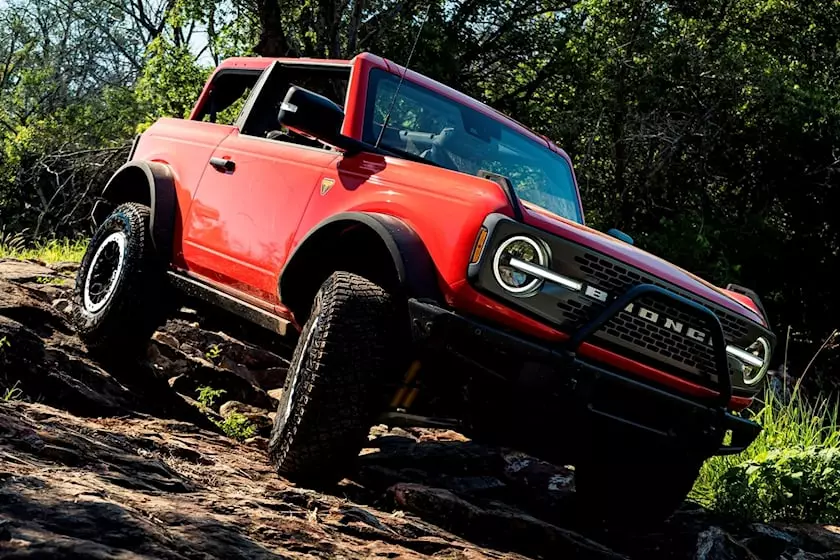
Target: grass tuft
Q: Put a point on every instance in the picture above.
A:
(13, 393)
(50, 251)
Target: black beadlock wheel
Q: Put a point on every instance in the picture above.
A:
(118, 300)
(342, 356)
(634, 488)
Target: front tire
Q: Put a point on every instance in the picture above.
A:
(343, 354)
(119, 293)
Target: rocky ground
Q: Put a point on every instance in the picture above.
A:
(127, 464)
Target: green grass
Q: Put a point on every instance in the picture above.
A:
(51, 251)
(13, 393)
(791, 472)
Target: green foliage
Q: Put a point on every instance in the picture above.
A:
(213, 353)
(791, 472)
(207, 396)
(50, 251)
(789, 484)
(235, 425)
(170, 82)
(238, 427)
(13, 393)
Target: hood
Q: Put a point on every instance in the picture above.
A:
(633, 256)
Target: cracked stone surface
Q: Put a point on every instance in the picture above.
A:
(126, 464)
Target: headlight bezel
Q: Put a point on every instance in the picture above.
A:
(543, 259)
(751, 381)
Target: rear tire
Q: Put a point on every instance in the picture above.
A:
(344, 351)
(632, 487)
(118, 300)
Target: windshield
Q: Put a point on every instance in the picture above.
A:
(456, 137)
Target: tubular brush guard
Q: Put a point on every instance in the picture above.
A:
(595, 390)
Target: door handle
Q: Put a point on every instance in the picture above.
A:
(222, 164)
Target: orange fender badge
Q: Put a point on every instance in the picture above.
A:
(326, 185)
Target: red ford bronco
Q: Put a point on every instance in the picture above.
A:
(430, 255)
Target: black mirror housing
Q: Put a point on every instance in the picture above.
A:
(620, 235)
(309, 113)
(312, 114)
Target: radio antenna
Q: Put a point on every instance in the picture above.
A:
(402, 77)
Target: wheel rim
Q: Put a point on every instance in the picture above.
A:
(105, 269)
(295, 368)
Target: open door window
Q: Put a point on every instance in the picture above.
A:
(227, 95)
(260, 115)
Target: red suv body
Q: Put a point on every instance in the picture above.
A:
(471, 223)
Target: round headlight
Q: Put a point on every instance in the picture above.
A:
(523, 249)
(761, 350)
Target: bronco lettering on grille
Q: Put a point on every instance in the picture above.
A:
(652, 316)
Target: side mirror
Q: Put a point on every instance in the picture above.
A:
(309, 113)
(620, 235)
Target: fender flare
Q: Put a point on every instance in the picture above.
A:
(149, 183)
(412, 263)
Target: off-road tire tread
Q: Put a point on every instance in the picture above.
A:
(137, 306)
(333, 402)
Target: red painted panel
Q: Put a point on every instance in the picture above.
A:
(186, 146)
(241, 224)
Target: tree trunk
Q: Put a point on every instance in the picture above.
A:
(273, 40)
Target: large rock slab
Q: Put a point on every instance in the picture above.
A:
(24, 271)
(124, 463)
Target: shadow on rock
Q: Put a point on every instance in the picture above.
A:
(510, 501)
(60, 377)
(494, 497)
(91, 526)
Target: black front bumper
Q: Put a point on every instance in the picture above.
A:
(596, 393)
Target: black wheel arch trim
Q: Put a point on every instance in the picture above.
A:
(143, 181)
(412, 262)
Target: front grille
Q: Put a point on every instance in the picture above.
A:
(619, 279)
(665, 342)
(628, 334)
(646, 341)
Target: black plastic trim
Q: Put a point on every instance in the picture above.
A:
(699, 425)
(196, 288)
(146, 182)
(414, 266)
(752, 295)
(507, 188)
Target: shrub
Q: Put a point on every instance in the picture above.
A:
(791, 471)
(792, 484)
(207, 395)
(237, 426)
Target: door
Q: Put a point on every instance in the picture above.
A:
(256, 187)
